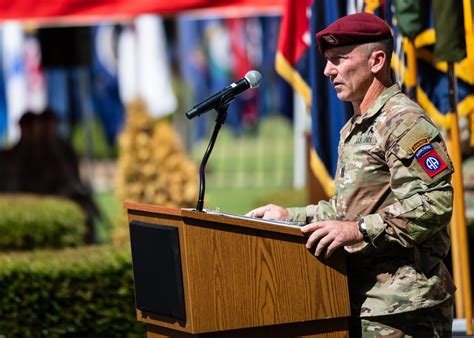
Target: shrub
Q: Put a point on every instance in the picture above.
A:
(30, 222)
(81, 292)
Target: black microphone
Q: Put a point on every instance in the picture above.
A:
(251, 80)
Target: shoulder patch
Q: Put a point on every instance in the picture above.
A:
(430, 160)
(417, 135)
(418, 144)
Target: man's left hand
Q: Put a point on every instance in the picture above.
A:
(330, 235)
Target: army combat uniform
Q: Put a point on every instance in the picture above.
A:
(394, 172)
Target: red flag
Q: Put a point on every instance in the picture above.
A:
(293, 46)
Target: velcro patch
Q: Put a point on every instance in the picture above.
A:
(430, 160)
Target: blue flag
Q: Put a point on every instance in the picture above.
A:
(105, 93)
(328, 113)
(3, 102)
(193, 66)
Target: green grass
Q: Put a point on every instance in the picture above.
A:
(245, 171)
(242, 172)
(240, 200)
(110, 208)
(258, 159)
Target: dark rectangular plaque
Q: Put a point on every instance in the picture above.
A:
(157, 269)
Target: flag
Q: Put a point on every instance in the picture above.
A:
(328, 113)
(34, 75)
(301, 64)
(144, 67)
(66, 58)
(216, 44)
(213, 52)
(246, 49)
(14, 75)
(293, 48)
(271, 81)
(194, 67)
(3, 100)
(105, 93)
(127, 64)
(437, 41)
(154, 71)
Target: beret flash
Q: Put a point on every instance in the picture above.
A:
(353, 29)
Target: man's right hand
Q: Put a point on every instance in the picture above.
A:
(269, 211)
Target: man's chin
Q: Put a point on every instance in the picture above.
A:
(341, 96)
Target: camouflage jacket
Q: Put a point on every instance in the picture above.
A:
(394, 172)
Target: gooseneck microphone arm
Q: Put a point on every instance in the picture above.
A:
(220, 102)
(220, 120)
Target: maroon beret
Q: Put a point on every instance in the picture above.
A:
(353, 29)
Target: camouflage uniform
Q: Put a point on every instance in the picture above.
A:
(394, 172)
(424, 323)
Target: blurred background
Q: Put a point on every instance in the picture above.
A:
(119, 91)
(92, 113)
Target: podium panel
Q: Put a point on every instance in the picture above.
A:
(240, 277)
(157, 269)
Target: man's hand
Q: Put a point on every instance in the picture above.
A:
(330, 235)
(269, 211)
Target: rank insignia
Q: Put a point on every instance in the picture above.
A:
(429, 160)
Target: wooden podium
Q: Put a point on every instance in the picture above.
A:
(205, 274)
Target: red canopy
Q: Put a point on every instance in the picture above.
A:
(109, 9)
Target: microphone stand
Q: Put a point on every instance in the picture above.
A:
(220, 120)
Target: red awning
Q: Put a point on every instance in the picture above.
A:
(113, 9)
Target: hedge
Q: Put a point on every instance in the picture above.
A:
(81, 292)
(30, 222)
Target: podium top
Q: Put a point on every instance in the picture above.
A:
(290, 228)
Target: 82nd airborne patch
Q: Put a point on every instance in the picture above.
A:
(430, 160)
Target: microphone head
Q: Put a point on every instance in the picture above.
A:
(254, 78)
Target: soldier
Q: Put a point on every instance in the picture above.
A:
(393, 197)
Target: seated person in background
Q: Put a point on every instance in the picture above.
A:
(60, 170)
(23, 159)
(42, 162)
(60, 162)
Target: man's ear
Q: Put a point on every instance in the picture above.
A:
(377, 61)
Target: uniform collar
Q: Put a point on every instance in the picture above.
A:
(373, 110)
(379, 103)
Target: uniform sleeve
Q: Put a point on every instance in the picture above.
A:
(420, 174)
(324, 210)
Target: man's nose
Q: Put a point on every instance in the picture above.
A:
(329, 69)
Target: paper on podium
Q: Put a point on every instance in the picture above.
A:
(243, 217)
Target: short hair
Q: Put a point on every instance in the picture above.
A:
(386, 45)
(27, 119)
(48, 115)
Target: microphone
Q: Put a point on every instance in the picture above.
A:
(251, 80)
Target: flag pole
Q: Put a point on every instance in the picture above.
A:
(410, 79)
(458, 227)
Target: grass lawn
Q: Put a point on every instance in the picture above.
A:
(243, 172)
(241, 200)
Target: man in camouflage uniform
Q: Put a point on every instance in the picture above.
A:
(393, 198)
